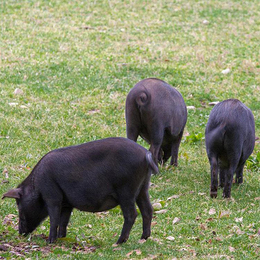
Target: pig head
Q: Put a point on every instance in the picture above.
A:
(157, 112)
(230, 139)
(94, 177)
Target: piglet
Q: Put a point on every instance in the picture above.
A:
(157, 112)
(93, 177)
(230, 139)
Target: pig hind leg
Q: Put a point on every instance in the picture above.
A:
(228, 182)
(146, 210)
(222, 177)
(167, 149)
(175, 149)
(64, 220)
(129, 212)
(156, 142)
(239, 173)
(214, 177)
(233, 158)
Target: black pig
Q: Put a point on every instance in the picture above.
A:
(230, 139)
(157, 112)
(94, 177)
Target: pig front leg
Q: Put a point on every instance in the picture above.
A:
(54, 214)
(64, 220)
(130, 214)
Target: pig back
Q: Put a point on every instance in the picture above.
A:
(231, 123)
(157, 100)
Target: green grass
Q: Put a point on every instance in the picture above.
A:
(75, 62)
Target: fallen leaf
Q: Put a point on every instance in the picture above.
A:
(142, 241)
(171, 238)
(138, 252)
(213, 103)
(156, 240)
(224, 214)
(161, 211)
(176, 220)
(130, 253)
(203, 227)
(12, 104)
(239, 232)
(212, 211)
(231, 249)
(257, 198)
(201, 193)
(157, 206)
(18, 91)
(173, 197)
(23, 106)
(239, 219)
(226, 71)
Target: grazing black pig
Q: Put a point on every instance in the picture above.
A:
(230, 139)
(157, 112)
(94, 177)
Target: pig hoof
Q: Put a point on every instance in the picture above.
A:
(51, 240)
(226, 196)
(121, 240)
(213, 194)
(144, 237)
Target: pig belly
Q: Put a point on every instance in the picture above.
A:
(106, 204)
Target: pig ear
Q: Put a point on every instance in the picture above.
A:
(14, 193)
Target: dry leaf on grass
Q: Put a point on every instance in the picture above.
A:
(171, 238)
(137, 251)
(173, 197)
(176, 220)
(161, 211)
(239, 219)
(231, 249)
(224, 214)
(212, 211)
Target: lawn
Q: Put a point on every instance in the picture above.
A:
(65, 70)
